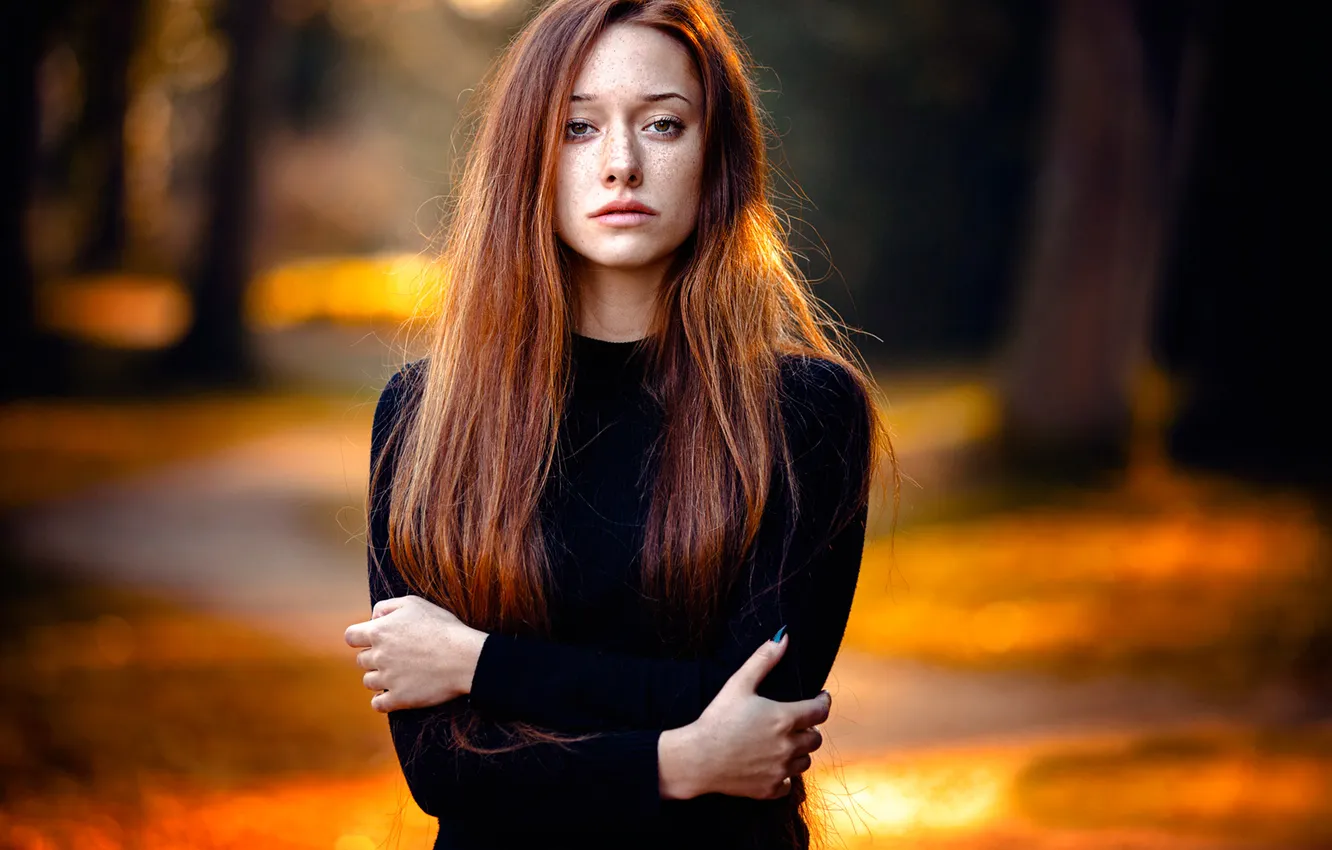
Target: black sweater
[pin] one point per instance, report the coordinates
(604, 668)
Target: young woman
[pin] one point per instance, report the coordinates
(617, 514)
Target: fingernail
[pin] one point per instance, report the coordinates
(777, 638)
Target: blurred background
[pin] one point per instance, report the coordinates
(1076, 237)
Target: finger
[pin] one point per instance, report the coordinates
(782, 789)
(365, 659)
(373, 681)
(759, 665)
(808, 740)
(358, 635)
(387, 606)
(799, 765)
(382, 702)
(810, 712)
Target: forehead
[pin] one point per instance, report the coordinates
(633, 60)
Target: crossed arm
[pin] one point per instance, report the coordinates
(575, 689)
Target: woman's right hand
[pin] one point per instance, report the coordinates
(746, 745)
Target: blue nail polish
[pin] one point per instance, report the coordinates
(777, 638)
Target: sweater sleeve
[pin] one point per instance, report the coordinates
(557, 784)
(576, 687)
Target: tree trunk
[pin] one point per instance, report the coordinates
(1081, 327)
(112, 48)
(215, 350)
(29, 356)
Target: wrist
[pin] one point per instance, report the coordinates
(678, 767)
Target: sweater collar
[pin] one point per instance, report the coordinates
(604, 361)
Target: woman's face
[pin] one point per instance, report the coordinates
(633, 134)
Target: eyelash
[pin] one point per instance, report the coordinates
(677, 127)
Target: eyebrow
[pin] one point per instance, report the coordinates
(647, 98)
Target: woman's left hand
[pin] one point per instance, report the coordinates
(415, 654)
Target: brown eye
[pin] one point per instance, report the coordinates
(577, 128)
(666, 125)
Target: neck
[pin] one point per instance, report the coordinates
(618, 304)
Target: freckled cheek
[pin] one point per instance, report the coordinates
(684, 176)
(585, 165)
(572, 190)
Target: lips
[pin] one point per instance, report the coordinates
(624, 207)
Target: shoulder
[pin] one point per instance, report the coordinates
(817, 376)
(820, 395)
(398, 395)
(403, 386)
(826, 411)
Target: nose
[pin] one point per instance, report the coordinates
(621, 165)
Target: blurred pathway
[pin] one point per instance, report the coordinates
(271, 532)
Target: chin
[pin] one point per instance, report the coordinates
(633, 255)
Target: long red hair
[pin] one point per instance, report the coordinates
(474, 454)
